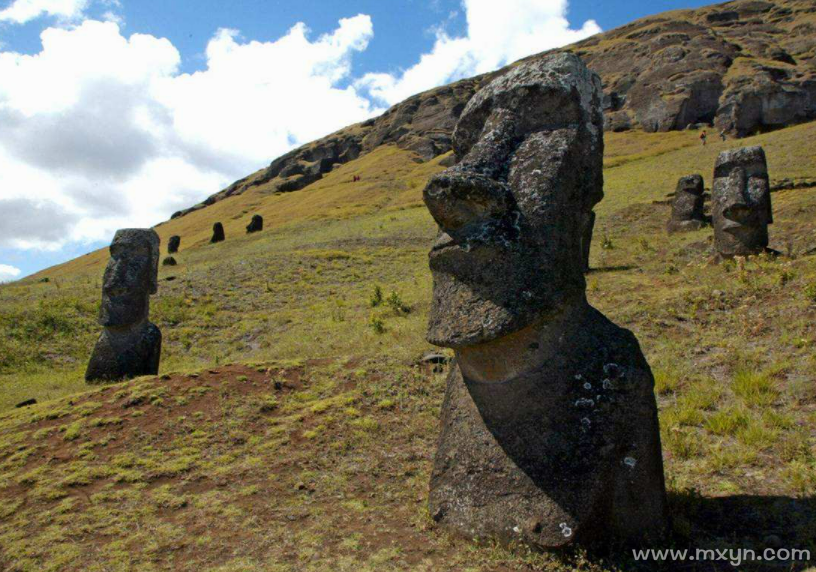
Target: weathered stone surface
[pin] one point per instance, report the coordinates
(218, 233)
(688, 205)
(173, 244)
(741, 198)
(129, 345)
(549, 423)
(255, 225)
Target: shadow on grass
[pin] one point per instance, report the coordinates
(719, 533)
(729, 527)
(605, 269)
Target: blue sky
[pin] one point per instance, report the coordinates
(120, 112)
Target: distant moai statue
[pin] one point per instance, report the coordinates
(169, 261)
(688, 206)
(130, 345)
(586, 237)
(173, 244)
(550, 432)
(218, 233)
(255, 225)
(741, 198)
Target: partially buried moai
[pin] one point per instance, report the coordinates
(688, 206)
(255, 225)
(130, 345)
(741, 199)
(218, 233)
(173, 244)
(549, 424)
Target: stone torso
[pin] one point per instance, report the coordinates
(535, 458)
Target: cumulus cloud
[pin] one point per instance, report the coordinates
(22, 11)
(8, 273)
(102, 131)
(498, 33)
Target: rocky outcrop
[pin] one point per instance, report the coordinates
(744, 66)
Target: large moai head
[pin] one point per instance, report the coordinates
(741, 202)
(688, 212)
(131, 277)
(512, 213)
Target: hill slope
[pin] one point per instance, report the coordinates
(746, 66)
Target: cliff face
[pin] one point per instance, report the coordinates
(745, 66)
(742, 66)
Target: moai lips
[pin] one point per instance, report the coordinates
(129, 345)
(549, 424)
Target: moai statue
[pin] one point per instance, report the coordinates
(173, 244)
(741, 199)
(218, 233)
(687, 208)
(255, 225)
(586, 237)
(130, 345)
(549, 423)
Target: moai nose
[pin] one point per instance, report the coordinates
(457, 199)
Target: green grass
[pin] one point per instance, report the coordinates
(340, 275)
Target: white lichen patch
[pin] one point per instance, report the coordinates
(565, 530)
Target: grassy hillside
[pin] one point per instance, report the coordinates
(316, 455)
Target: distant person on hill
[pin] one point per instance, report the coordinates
(703, 137)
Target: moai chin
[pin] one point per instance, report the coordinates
(741, 198)
(688, 206)
(549, 424)
(130, 345)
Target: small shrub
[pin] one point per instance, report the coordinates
(377, 324)
(727, 422)
(683, 444)
(810, 292)
(607, 243)
(785, 276)
(376, 297)
(395, 302)
(755, 387)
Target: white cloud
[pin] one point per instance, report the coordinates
(22, 11)
(498, 33)
(8, 273)
(101, 131)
